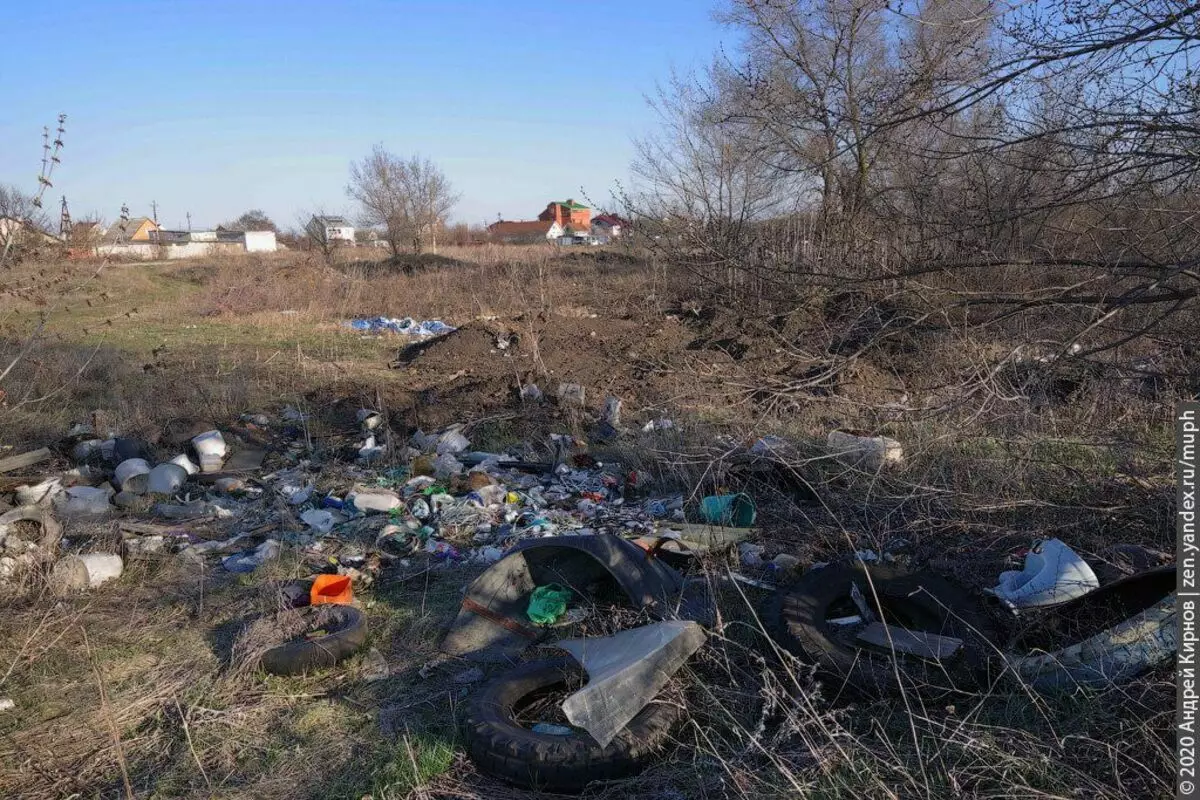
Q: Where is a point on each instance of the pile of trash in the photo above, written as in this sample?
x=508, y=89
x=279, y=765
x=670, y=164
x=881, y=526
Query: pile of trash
x=404, y=326
x=554, y=537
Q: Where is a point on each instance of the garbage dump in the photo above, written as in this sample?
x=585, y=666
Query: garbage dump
x=545, y=542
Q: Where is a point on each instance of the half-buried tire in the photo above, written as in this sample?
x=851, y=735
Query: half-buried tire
x=504, y=748
x=341, y=631
x=805, y=620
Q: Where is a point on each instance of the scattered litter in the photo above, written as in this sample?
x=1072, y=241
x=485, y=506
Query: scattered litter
x=80, y=501
x=76, y=573
x=551, y=729
x=1053, y=573
x=625, y=672
x=736, y=510
x=7, y=704
x=861, y=449
x=132, y=475
x=250, y=560
x=40, y=493
x=548, y=603
x=405, y=326
x=210, y=447
x=571, y=394
x=319, y=520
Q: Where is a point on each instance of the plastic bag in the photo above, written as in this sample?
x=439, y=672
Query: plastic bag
x=548, y=603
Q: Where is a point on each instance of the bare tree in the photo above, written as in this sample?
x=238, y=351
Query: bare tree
x=408, y=199
x=253, y=220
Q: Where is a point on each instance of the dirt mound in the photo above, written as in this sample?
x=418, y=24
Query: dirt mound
x=406, y=263
x=480, y=367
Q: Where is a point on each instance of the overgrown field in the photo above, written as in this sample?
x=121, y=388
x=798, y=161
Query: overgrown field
x=137, y=687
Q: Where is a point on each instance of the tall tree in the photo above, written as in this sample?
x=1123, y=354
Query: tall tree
x=407, y=198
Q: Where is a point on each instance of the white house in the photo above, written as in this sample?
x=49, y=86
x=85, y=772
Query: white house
x=335, y=230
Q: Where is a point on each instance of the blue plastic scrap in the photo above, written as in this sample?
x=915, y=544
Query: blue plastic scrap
x=406, y=326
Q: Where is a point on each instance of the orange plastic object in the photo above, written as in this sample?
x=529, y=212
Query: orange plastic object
x=331, y=589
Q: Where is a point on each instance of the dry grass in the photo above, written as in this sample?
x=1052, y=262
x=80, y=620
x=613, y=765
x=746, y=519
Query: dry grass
x=136, y=683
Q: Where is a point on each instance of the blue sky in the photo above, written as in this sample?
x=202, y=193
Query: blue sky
x=217, y=107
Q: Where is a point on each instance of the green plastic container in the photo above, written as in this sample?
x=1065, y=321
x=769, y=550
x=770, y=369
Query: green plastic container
x=735, y=510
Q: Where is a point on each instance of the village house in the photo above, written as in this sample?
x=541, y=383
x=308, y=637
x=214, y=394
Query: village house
x=571, y=216
x=334, y=230
x=525, y=232
x=608, y=226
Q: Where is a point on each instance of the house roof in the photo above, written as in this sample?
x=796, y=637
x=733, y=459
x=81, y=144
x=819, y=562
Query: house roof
x=503, y=228
x=122, y=230
x=571, y=204
x=332, y=221
x=608, y=219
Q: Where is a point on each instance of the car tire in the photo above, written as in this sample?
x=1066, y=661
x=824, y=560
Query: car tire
x=346, y=629
x=502, y=748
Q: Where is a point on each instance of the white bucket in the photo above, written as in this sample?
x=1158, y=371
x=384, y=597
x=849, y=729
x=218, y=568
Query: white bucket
x=132, y=475
x=166, y=479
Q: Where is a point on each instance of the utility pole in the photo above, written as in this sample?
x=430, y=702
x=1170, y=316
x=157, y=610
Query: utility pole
x=154, y=210
x=189, y=219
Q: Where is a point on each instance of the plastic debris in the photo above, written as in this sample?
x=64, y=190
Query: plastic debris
x=864, y=450
x=75, y=573
x=250, y=560
x=405, y=326
x=83, y=501
x=210, y=447
x=736, y=510
x=571, y=394
x=1053, y=573
x=319, y=520
x=625, y=672
x=548, y=603
x=370, y=500
x=551, y=729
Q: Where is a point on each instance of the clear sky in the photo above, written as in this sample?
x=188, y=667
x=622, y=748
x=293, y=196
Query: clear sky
x=215, y=107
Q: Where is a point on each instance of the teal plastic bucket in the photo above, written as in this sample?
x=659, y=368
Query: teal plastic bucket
x=735, y=510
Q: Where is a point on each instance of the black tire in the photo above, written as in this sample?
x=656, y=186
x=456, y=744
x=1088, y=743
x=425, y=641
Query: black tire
x=347, y=631
x=918, y=599
x=502, y=748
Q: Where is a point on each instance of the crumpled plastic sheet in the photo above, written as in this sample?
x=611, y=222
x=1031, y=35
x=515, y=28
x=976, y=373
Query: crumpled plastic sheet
x=625, y=672
x=402, y=325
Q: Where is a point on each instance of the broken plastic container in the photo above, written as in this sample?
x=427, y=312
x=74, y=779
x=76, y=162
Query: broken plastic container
x=132, y=475
x=39, y=493
x=735, y=510
x=166, y=478
x=83, y=501
x=75, y=573
x=331, y=589
x=211, y=448
x=185, y=462
x=1053, y=573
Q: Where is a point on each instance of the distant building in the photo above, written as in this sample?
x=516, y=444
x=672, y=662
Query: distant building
x=134, y=229
x=568, y=214
x=608, y=226
x=165, y=244
x=24, y=233
x=525, y=232
x=334, y=230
